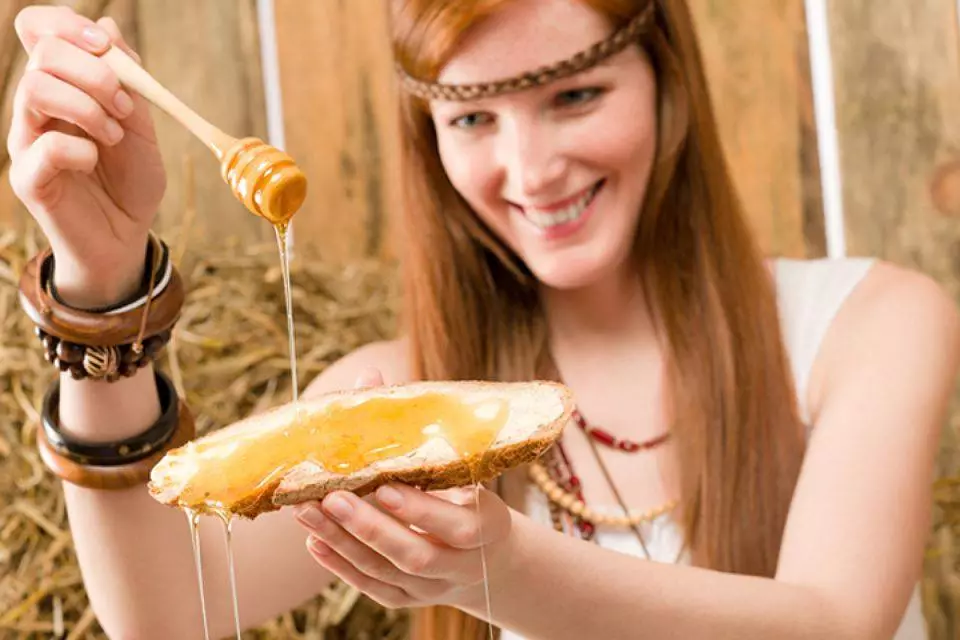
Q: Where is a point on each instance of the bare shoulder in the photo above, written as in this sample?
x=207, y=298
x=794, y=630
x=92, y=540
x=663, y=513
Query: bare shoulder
x=390, y=357
x=889, y=363
x=897, y=298
x=899, y=320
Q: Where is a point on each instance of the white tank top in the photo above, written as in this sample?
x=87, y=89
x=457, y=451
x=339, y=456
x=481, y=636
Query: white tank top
x=809, y=295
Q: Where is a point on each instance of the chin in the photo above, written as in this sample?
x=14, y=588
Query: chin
x=590, y=266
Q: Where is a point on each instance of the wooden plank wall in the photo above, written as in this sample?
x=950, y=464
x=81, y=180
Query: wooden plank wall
x=336, y=74
x=756, y=61
x=207, y=53
x=339, y=101
x=897, y=68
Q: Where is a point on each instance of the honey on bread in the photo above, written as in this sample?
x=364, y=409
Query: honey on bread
x=343, y=439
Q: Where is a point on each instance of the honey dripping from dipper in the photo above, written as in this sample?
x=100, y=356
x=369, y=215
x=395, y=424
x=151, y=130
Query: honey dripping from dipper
x=271, y=185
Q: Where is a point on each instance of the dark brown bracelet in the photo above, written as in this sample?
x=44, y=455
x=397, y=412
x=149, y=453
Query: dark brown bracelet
x=114, y=453
x=103, y=345
x=116, y=476
x=109, y=363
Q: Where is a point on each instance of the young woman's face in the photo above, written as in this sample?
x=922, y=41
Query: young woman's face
x=559, y=172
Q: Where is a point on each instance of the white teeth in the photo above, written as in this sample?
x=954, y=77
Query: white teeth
x=573, y=212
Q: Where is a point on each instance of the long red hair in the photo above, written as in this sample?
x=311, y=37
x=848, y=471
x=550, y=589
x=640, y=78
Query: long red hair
x=732, y=398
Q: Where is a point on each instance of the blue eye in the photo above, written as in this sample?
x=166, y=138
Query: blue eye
x=470, y=120
x=576, y=97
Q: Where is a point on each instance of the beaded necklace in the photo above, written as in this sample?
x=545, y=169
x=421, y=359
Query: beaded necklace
x=557, y=480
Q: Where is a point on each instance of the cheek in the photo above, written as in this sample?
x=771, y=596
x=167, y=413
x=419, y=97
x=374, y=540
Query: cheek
x=623, y=142
x=469, y=170
x=463, y=165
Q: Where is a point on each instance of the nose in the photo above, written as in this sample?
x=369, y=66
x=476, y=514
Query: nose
x=531, y=158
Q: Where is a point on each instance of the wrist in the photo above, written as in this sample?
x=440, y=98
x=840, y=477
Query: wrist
x=81, y=288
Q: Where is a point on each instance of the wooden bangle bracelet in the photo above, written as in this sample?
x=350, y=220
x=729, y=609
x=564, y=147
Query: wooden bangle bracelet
x=115, y=477
x=95, y=329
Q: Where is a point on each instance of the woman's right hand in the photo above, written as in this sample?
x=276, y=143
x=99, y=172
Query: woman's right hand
x=84, y=155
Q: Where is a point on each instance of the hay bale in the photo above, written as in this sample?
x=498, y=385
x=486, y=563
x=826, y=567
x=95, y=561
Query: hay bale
x=230, y=357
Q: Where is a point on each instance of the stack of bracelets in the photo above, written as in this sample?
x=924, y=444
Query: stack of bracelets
x=107, y=344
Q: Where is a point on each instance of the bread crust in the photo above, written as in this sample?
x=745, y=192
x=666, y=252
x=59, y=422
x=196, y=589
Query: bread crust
x=305, y=483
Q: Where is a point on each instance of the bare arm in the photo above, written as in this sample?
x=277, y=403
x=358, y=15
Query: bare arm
x=854, y=540
x=136, y=555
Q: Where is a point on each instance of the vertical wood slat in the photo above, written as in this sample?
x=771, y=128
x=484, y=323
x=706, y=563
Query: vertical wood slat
x=756, y=63
x=207, y=53
x=897, y=70
x=897, y=80
x=336, y=75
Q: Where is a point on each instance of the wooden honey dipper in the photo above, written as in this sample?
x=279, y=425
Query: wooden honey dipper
x=266, y=180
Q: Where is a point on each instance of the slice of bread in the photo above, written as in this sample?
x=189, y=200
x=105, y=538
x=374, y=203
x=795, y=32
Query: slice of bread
x=537, y=413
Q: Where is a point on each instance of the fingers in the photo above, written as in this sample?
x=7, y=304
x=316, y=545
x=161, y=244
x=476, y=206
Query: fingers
x=351, y=525
x=36, y=22
x=42, y=98
x=66, y=46
x=387, y=595
x=52, y=153
x=370, y=562
x=370, y=377
x=458, y=525
x=393, y=580
x=65, y=81
x=84, y=71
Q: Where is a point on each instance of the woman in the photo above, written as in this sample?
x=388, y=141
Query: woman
x=772, y=424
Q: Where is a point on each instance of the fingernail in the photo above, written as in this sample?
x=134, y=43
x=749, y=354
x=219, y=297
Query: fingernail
x=338, y=507
x=123, y=102
x=389, y=497
x=310, y=516
x=96, y=37
x=114, y=131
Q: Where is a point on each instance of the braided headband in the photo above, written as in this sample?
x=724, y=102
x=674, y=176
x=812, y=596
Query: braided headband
x=580, y=61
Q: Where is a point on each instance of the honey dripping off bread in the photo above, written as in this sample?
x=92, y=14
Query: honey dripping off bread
x=432, y=435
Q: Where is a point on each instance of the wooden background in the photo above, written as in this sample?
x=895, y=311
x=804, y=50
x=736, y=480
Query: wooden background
x=897, y=83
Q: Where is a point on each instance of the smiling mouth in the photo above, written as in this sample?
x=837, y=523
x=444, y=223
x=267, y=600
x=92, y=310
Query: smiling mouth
x=554, y=217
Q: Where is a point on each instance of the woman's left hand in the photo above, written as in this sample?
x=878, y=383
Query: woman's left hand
x=369, y=543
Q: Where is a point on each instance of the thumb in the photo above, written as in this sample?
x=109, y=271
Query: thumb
x=369, y=377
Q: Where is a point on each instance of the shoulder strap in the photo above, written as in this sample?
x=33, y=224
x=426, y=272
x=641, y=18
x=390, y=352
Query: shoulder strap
x=810, y=293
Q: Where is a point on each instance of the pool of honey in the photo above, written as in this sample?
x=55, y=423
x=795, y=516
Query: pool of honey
x=343, y=439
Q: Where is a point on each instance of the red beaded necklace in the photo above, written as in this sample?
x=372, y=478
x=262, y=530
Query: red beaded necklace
x=560, y=470
x=607, y=439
